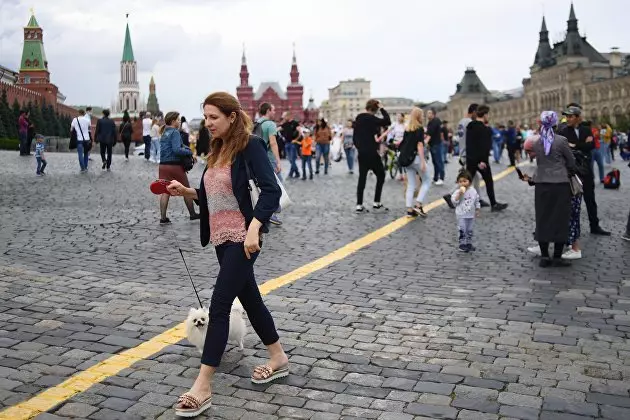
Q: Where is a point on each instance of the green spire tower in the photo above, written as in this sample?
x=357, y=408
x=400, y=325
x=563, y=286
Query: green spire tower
x=128, y=98
x=127, y=49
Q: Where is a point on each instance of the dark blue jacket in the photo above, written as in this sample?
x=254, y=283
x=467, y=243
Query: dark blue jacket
x=105, y=131
x=255, y=155
x=172, y=149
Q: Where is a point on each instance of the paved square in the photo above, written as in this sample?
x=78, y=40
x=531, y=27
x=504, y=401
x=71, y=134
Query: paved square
x=406, y=328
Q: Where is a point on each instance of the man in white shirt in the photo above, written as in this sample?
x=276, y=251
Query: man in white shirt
x=88, y=117
x=81, y=127
x=146, y=135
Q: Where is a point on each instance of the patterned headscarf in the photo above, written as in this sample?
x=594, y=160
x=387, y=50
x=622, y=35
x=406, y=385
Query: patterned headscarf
x=548, y=119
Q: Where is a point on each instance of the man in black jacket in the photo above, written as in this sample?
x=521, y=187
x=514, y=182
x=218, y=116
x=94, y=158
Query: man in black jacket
x=367, y=127
x=580, y=138
x=478, y=146
x=105, y=134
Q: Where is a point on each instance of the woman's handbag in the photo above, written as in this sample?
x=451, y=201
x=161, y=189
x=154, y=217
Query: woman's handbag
x=285, y=201
x=252, y=185
x=576, y=185
x=254, y=190
x=188, y=161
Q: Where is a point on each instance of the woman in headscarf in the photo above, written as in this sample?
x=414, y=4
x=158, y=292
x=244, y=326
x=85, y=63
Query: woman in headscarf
x=554, y=162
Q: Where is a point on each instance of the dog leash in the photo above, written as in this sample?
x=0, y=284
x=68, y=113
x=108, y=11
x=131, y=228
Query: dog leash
x=185, y=265
x=190, y=277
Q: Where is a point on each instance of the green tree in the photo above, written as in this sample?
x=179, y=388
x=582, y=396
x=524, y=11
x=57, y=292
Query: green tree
x=16, y=115
x=54, y=121
x=3, y=131
x=47, y=125
x=7, y=117
x=35, y=116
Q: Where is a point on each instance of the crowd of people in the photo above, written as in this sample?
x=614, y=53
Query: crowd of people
x=368, y=141
x=237, y=150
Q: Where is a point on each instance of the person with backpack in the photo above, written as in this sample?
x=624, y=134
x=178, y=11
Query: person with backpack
x=266, y=129
x=411, y=158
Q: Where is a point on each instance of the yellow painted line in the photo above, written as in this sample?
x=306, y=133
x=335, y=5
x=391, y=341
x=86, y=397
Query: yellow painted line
x=52, y=397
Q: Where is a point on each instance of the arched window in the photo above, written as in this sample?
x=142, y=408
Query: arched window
x=127, y=101
x=27, y=79
x=36, y=63
x=135, y=104
x=27, y=63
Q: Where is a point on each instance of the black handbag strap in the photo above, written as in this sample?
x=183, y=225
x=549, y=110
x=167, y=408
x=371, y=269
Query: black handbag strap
x=79, y=124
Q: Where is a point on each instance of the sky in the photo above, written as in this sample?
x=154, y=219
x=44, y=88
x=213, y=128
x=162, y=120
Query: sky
x=408, y=48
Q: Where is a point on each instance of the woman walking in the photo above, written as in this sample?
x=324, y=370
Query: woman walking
x=348, y=145
x=413, y=144
x=171, y=167
x=126, y=132
x=233, y=224
x=323, y=136
x=554, y=162
x=155, y=141
x=185, y=131
x=203, y=140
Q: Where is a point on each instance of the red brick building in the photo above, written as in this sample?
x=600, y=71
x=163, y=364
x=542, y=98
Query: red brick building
x=32, y=82
x=291, y=100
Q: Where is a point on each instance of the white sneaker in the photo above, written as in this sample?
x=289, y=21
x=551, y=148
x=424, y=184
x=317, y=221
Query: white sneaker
x=439, y=182
x=534, y=250
x=571, y=254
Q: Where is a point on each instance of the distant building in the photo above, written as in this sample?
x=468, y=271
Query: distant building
x=345, y=101
x=153, y=105
x=570, y=71
x=397, y=106
x=291, y=100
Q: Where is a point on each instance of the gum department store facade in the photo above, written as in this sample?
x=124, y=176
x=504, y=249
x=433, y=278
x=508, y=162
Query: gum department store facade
x=570, y=71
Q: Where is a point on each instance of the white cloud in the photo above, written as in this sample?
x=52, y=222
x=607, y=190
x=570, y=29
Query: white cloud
x=406, y=48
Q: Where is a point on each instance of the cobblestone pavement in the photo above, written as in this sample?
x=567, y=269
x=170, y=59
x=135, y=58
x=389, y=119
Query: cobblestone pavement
x=407, y=328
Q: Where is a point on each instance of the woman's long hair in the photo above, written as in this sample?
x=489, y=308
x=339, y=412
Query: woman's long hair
x=168, y=120
x=415, y=119
x=223, y=150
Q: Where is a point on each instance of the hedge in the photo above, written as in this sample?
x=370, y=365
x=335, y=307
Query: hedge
x=9, y=144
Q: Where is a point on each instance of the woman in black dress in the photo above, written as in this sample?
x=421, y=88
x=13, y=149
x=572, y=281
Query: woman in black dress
x=126, y=131
x=203, y=140
x=553, y=193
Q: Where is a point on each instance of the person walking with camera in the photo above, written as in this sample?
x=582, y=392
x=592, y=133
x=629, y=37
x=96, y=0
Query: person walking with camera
x=172, y=159
x=478, y=146
x=233, y=222
x=367, y=128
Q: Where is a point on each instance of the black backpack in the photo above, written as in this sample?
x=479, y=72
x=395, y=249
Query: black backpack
x=612, y=181
x=257, y=131
x=408, y=149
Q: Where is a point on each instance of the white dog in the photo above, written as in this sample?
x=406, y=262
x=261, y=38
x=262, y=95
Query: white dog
x=197, y=326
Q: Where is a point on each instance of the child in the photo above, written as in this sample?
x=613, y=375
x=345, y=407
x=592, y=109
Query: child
x=307, y=152
x=466, y=200
x=39, y=154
